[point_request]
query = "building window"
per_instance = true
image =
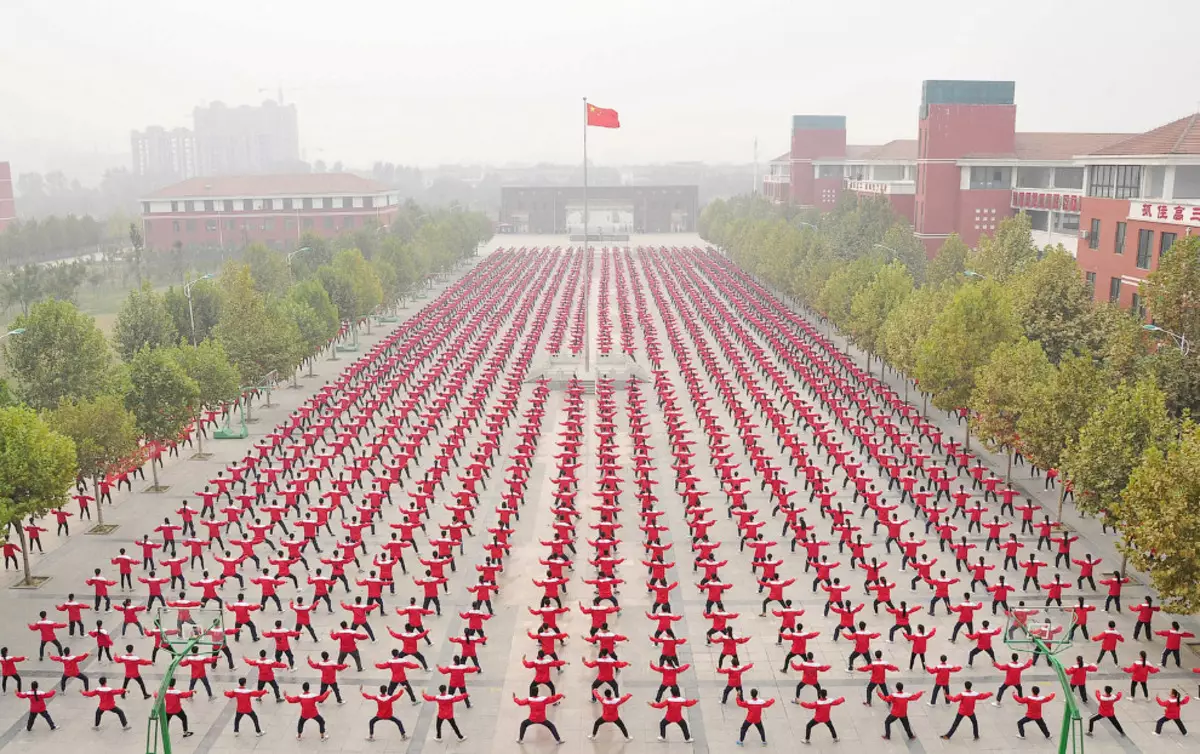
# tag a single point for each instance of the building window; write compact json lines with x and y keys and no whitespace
{"x":307,"y":204}
{"x":191,"y":226}
{"x":210,"y":225}
{"x":1165,"y":243}
{"x":368,"y":202}
{"x":268,"y":223}
{"x":287,"y":204}
{"x":174,"y":206}
{"x":329,"y":221}
{"x":247,"y":205}
{"x":208,"y":205}
{"x":1091,"y":283}
{"x":228,"y":205}
{"x":175,"y":226}
{"x":1136,"y":306}
{"x":1115,"y":181}
{"x":991,"y":178}
{"x":1145,"y":244}
{"x":1114,"y":290}
{"x":1119,"y":243}
{"x":1094,"y":234}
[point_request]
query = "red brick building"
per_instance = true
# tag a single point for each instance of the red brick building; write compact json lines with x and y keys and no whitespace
{"x":967,"y":169}
{"x":1142,"y":195}
{"x":231,"y":211}
{"x":8,"y":207}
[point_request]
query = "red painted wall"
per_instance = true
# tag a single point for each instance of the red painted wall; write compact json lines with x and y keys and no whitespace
{"x":954,"y":131}
{"x":8,"y":207}
{"x":809,"y":145}
{"x":160,"y":231}
{"x":984,"y":208}
{"x":826,"y":192}
{"x":903,"y":205}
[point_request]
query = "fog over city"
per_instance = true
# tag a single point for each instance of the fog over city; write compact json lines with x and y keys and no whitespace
{"x":428,"y":83}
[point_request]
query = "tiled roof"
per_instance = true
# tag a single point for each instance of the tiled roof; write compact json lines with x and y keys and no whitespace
{"x":1177,"y":137}
{"x":786,"y":156}
{"x":1036,"y":145}
{"x":897,"y":149}
{"x":300,"y":184}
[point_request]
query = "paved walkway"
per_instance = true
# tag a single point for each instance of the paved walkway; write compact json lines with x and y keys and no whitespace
{"x":492,"y":721}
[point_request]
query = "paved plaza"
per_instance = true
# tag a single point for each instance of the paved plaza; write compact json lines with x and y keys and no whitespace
{"x":492,"y":721}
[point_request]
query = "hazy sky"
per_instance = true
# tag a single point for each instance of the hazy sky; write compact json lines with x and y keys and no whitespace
{"x":496,"y":81}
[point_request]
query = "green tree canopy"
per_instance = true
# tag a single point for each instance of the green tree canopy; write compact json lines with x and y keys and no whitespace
{"x":1054,"y":305}
{"x":1007,"y":252}
{"x":870,"y":307}
{"x":269,"y":268}
{"x":949,"y":264}
{"x":103,"y":431}
{"x":256,"y":337}
{"x":143,"y":320}
{"x":162,"y":398}
{"x":61,"y":354}
{"x":976,"y":320}
{"x":1161,"y":505}
{"x":37,"y":468}
{"x":1110,"y":445}
{"x":1057,"y":405}
{"x":206,"y":308}
{"x":838,"y":293}
{"x":908,"y":322}
{"x":1001,"y":393}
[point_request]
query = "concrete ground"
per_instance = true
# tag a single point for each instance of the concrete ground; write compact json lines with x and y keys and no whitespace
{"x":492,"y":721}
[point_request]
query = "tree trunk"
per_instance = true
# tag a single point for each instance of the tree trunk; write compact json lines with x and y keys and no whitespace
{"x":311,"y":359}
{"x":24,"y":553}
{"x":967,"y":444}
{"x":924,"y":403}
{"x":906,"y":388}
{"x":1008,"y":471}
{"x":1062,"y":496}
{"x":199,"y":434}
{"x":153,"y":474}
{"x":99,"y":504}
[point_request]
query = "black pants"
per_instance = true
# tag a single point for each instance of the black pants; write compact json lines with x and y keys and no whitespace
{"x":958,"y":719}
{"x":54,"y":643}
{"x":974,"y":652}
{"x":337,"y":693}
{"x":182,"y":718}
{"x":115,"y":710}
{"x":396,"y":720}
{"x":34,"y":715}
{"x":1040,"y":724}
{"x":658,"y":697}
{"x":683,"y":726}
{"x":237,"y":719}
{"x":887,"y":726}
{"x":1168,"y":653}
{"x":813,"y":723}
{"x":1112,"y":719}
{"x":319,"y":720}
{"x":274,"y":686}
{"x":618,"y":722}
{"x":453,"y":726}
{"x":138,"y":680}
{"x":203,"y":680}
{"x":1005,"y":686}
{"x":762,"y":732}
{"x":407,"y":687}
{"x":871,"y":690}
{"x":1133,"y":685}
{"x":549,"y":726}
{"x":4,"y":682}
{"x":1112,"y":652}
{"x":357,"y":659}
{"x":1157,"y":728}
{"x":62,"y":684}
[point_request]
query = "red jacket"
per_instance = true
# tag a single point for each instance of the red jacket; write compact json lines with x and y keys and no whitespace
{"x":822,"y":707}
{"x":308,"y":703}
{"x":537,"y":706}
{"x":383,"y":703}
{"x":610,"y":707}
{"x":1033,"y":705}
{"x":899,"y":701}
{"x":108,"y":696}
{"x":674,"y":706}
{"x":245,"y":697}
{"x":445,"y":704}
{"x":1170,"y":706}
{"x":754,"y":708}
{"x":967,"y":700}
{"x":1108,"y":704}
{"x":38,"y":699}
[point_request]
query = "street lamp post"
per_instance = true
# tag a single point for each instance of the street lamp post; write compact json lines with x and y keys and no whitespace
{"x":297,"y":251}
{"x":895,"y":254}
{"x":974,"y":274}
{"x":187,"y":291}
{"x":17,"y":331}
{"x":1180,"y":341}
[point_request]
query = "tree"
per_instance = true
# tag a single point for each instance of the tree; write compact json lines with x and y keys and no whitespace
{"x":257,"y":341}
{"x":143,"y":321}
{"x":319,"y":327}
{"x":1057,"y":406}
{"x":1054,"y":305}
{"x":1007,"y":252}
{"x":269,"y":268}
{"x":162,"y":398}
{"x":1162,"y":507}
{"x":1172,"y":292}
{"x":908,"y":250}
{"x":37,"y":467}
{"x":215,"y":376}
{"x":975,"y":321}
{"x":364,"y":283}
{"x":1131,"y":418}
{"x":205,"y":309}
{"x":949,"y":264}
{"x":24,"y":286}
{"x":871,"y":306}
{"x":907,"y":323}
{"x":838,"y":292}
{"x":1119,"y":342}
{"x":61,"y":354}
{"x":104,"y":433}
{"x":1001,"y":394}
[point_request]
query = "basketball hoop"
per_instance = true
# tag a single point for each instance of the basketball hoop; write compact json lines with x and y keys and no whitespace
{"x":1046,"y":632}
{"x":180,"y":630}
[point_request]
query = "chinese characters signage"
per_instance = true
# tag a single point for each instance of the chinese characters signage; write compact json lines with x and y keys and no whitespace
{"x":1165,"y":212}
{"x":867,"y":187}
{"x":1048,"y":200}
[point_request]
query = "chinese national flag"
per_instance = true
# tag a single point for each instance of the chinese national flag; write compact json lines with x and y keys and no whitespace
{"x":601,"y":117}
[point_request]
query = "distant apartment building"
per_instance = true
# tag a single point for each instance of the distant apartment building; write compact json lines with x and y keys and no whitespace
{"x":232,"y":211}
{"x":159,"y":153}
{"x":8,"y":205}
{"x":246,"y":140}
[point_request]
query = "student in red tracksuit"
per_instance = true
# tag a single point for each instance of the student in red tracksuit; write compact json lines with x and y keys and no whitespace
{"x":966,"y":701}
{"x":1171,"y":709}
{"x":108,"y":703}
{"x":674,"y":706}
{"x":445,"y":711}
{"x":8,"y":669}
{"x":1139,"y":672}
{"x":244,"y":698}
{"x":1108,"y":710}
{"x":308,"y":702}
{"x":37,"y":705}
{"x":610,"y":712}
{"x":383,"y":710}
{"x":754,"y":708}
{"x":821,"y":714}
{"x":537,"y":714}
{"x":173,"y":704}
{"x":1033,"y":711}
{"x":899,"y":710}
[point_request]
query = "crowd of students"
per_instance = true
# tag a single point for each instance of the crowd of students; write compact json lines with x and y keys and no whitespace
{"x":751,"y":406}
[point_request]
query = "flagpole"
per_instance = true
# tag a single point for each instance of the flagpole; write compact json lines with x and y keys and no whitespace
{"x":587,"y":344}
